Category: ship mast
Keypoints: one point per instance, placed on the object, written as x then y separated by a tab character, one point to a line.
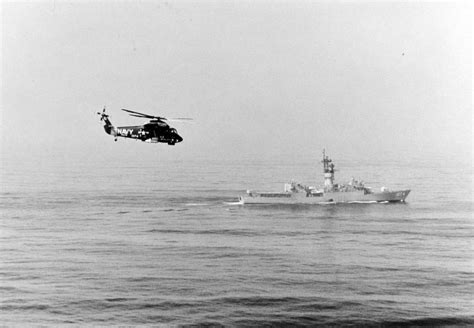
328	172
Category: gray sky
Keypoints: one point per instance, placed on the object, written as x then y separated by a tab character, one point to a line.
260	78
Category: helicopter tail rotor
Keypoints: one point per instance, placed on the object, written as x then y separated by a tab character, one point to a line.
103	116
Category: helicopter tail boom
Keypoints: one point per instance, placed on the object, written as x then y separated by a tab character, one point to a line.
108	127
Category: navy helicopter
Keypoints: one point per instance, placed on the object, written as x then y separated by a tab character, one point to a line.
157	130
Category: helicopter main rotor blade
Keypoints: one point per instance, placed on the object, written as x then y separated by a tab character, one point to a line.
138	114
179	119
142	115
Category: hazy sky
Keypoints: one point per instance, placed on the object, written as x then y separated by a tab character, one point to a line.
260	78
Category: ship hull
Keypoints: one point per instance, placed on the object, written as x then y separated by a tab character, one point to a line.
358	196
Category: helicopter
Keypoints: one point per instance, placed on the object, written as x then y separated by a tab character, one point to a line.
157	130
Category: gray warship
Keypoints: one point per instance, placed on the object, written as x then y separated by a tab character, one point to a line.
331	193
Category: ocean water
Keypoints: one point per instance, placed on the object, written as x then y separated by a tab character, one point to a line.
164	244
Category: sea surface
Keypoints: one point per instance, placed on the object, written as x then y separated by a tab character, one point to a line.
165	244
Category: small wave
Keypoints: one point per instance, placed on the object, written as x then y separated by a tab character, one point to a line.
174	209
196	204
432	322
257	301
15	307
240	232
318	320
8	289
119	299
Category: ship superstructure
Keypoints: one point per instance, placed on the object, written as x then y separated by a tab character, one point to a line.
328	172
353	192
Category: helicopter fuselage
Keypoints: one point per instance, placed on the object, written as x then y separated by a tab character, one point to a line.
157	130
149	133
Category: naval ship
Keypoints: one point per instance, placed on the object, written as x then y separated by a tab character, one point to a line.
332	193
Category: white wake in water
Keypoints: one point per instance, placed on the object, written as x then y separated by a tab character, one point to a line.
367	202
234	203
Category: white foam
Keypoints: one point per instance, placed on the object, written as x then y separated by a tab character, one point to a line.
234	203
